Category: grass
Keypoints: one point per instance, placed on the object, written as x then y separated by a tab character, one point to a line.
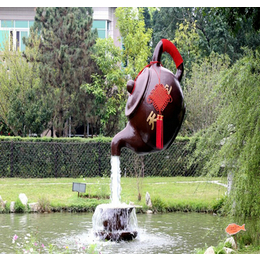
175	193
242	249
249	250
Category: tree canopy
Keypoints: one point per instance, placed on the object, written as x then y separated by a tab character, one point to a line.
136	39
24	107
231	143
216	29
65	58
108	87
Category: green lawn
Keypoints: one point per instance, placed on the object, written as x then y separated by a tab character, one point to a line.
172	192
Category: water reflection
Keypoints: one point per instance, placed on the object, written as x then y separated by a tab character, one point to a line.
170	233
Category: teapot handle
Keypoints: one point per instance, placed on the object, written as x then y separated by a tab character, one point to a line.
165	45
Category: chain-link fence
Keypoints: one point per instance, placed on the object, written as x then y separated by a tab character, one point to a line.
56	159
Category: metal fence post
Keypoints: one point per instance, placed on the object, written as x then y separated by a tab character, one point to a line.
55	160
12	160
99	159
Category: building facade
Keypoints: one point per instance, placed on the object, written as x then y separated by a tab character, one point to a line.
15	23
105	21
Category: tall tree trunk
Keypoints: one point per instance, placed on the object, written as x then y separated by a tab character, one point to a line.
60	125
85	126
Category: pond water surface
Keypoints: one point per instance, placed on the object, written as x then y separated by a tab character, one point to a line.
170	233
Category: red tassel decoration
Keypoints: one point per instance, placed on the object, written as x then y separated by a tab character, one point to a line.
159	97
159	132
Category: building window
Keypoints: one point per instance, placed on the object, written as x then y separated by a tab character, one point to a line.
23	34
21	24
14	31
7	23
11	40
101	26
109	29
17	42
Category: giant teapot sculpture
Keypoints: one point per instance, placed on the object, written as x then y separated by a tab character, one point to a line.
155	107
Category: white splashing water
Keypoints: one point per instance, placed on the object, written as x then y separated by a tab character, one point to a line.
115	186
103	211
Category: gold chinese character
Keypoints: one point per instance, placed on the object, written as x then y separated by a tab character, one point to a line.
169	89
151	119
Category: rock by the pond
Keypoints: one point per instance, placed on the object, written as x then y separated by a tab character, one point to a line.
2	203
231	240
23	198
12	206
148	200
210	250
228	250
149	211
34	207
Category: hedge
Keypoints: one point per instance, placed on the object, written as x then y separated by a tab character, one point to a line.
86	157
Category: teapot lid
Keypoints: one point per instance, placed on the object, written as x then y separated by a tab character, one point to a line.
138	92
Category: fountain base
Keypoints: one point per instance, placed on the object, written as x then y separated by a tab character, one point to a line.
115	223
117	235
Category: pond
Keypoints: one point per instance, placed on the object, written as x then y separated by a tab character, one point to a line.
169	233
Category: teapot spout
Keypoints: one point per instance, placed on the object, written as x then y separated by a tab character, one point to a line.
128	138
117	144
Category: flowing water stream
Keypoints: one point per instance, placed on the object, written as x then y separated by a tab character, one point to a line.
115	185
171	233
115	220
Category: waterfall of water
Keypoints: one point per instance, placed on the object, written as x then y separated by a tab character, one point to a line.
115	186
116	220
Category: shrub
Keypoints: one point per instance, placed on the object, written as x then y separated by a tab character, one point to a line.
158	205
19	207
44	205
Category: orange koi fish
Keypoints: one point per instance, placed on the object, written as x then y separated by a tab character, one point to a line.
233	228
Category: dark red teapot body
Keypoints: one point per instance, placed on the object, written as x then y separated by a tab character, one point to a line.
155	107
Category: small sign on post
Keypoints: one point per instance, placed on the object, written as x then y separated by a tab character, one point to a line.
79	187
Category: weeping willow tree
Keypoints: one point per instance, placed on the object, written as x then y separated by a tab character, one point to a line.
231	145
200	97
